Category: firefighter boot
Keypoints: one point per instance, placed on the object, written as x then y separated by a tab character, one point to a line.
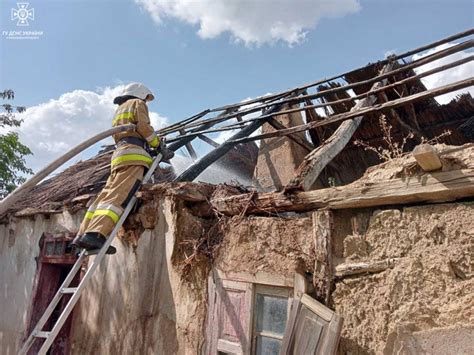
93	241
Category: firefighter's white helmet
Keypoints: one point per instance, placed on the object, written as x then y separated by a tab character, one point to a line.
138	90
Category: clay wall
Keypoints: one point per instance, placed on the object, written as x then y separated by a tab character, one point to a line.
427	295
279	157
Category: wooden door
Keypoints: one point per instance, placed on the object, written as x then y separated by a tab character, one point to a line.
229	323
55	262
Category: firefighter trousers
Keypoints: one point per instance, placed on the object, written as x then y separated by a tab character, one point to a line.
104	213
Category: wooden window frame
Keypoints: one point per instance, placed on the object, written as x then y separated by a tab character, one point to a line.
256	283
269	290
329	338
67	256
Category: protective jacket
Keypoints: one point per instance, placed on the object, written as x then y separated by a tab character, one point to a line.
127	153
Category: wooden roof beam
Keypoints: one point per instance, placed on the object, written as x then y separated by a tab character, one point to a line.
461	84
202	164
318	159
430	187
189	147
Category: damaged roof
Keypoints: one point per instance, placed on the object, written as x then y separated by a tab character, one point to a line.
78	183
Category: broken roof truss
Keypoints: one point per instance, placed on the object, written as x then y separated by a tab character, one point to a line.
371	96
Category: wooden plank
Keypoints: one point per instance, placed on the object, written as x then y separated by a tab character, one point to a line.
409	53
300	285
314	163
290	327
189	135
363	111
189	147
312	328
316	307
323	269
332	336
259	277
298	140
229	347
417	63
211	334
427	157
208	140
350	269
430	187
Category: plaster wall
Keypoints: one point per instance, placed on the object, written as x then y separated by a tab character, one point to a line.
136	301
19	250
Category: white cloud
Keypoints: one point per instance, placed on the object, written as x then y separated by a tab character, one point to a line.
51	128
251	22
448	76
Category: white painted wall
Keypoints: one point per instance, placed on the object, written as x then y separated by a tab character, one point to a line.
19	246
136	303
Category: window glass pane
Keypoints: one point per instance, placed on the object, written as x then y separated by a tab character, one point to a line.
268	346
271	313
49	248
58	248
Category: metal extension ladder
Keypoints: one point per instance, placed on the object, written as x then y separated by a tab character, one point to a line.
50	336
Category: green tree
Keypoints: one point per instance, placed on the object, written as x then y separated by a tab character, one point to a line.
12	151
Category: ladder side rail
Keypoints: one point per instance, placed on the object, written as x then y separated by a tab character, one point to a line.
54	302
75	297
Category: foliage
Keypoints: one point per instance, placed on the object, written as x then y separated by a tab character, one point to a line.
12	151
393	149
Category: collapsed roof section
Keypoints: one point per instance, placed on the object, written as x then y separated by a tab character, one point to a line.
323	119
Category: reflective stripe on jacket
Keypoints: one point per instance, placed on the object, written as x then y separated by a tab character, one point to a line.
133	111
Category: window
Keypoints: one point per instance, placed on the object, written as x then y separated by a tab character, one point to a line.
271	310
266	314
57	248
246	317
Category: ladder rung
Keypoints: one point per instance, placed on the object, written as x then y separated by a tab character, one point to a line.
75	291
41	334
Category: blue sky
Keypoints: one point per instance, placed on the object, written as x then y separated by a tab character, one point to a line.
89	45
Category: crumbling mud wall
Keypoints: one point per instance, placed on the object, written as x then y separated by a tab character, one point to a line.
279	157
19	252
139	301
128	305
425	297
276	245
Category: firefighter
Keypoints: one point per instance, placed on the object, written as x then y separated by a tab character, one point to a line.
132	156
